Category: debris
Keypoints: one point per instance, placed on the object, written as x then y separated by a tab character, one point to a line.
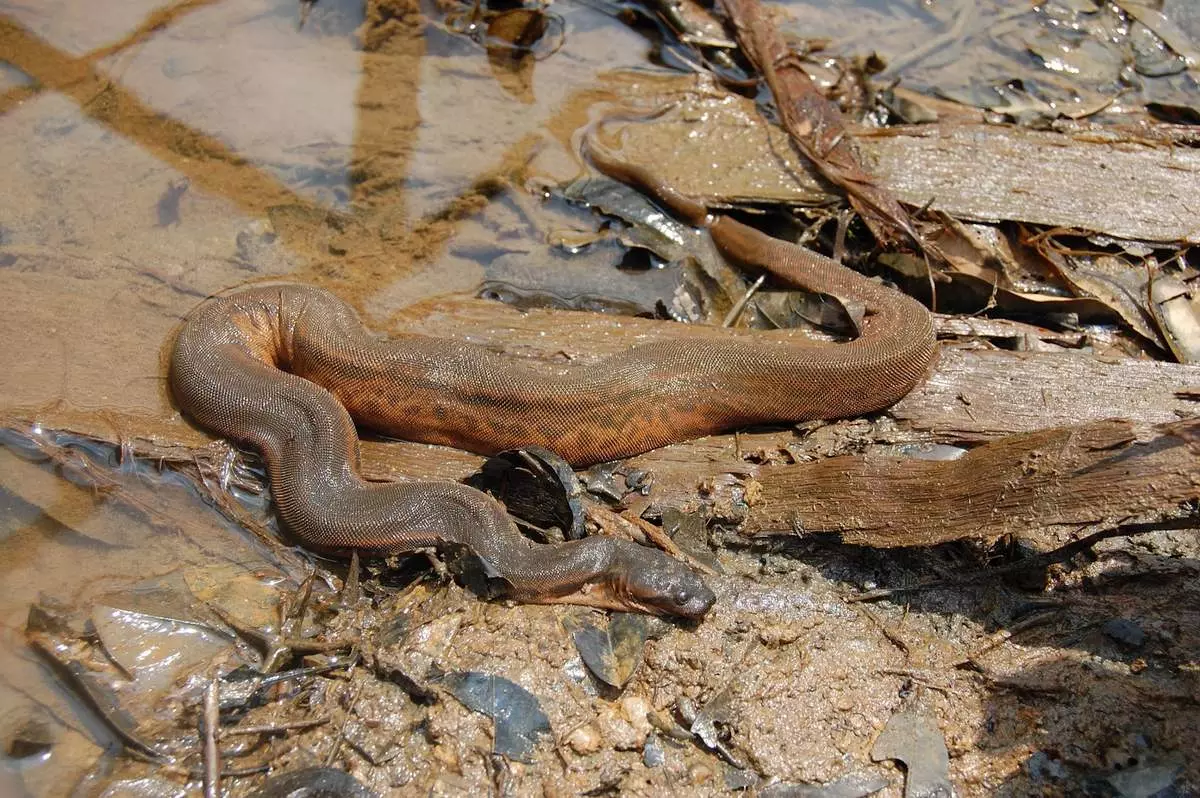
917	741
1175	308
314	783
155	650
539	489
585	740
613	654
708	722
32	738
517	714
1018	484
815	126
853	785
982	173
48	634
1153	777
689	531
653	755
709	287
168	204
1044	768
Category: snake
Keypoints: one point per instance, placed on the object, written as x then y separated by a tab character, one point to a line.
289	370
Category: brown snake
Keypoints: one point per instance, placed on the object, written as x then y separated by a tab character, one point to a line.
277	368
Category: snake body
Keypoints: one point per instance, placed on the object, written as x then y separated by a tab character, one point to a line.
284	368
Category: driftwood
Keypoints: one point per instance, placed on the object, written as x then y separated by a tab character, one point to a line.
1101	181
1053	459
1093	474
970	395
978	395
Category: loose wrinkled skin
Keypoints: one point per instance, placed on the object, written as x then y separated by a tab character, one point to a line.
283	368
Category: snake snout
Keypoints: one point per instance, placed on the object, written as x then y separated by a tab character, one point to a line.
694	602
670	587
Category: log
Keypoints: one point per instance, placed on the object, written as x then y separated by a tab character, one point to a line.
1088	475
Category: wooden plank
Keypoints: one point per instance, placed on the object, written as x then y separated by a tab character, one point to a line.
991	173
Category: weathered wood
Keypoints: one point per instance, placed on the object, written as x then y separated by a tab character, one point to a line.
1094	474
1028	335
815	124
1026	484
720	149
974	395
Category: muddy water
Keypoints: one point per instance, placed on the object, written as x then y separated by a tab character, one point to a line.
154	154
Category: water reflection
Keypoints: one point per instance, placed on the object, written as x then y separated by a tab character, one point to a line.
242	74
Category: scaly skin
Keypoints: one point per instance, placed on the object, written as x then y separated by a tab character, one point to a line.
284	368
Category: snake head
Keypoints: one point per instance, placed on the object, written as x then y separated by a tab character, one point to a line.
654	582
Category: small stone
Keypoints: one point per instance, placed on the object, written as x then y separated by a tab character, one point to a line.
447	757
1041	767
620	733
700	773
585	740
653	755
636	710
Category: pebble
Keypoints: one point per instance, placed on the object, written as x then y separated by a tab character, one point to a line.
585	740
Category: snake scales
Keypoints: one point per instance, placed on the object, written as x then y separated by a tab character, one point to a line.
284	368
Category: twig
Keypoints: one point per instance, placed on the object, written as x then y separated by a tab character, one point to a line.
664	542
1004	635
638	529
920	677
351	588
736	311
341	735
896	640
212	754
276	728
